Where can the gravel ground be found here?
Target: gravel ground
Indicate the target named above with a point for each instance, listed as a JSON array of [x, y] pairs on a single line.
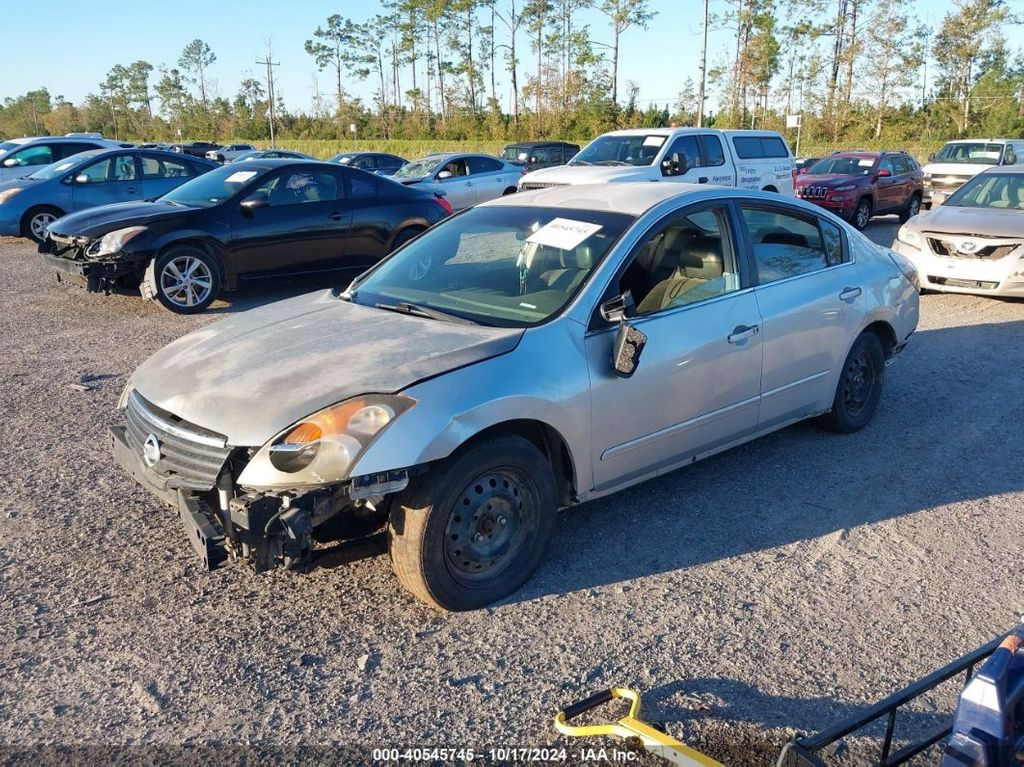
[[773, 589]]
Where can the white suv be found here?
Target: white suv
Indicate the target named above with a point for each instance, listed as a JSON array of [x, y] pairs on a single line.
[[758, 160]]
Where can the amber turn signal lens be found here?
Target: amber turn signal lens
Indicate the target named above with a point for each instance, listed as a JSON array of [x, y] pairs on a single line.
[[303, 434]]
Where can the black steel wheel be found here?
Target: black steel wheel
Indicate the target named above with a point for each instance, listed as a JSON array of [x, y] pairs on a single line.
[[474, 528], [860, 386]]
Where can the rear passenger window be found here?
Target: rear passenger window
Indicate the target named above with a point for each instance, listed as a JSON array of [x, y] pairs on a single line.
[[362, 185], [786, 245], [713, 152], [834, 253], [758, 147], [158, 167], [773, 146], [483, 165]]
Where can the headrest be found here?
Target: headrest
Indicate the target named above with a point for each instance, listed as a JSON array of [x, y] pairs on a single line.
[[779, 237], [702, 258]]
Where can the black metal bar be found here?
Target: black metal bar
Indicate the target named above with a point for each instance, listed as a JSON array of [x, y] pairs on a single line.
[[889, 727], [908, 752], [933, 680]]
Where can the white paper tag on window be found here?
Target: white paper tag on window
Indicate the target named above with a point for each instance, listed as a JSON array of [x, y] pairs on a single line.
[[563, 233], [240, 177], [865, 163], [64, 166], [654, 141]]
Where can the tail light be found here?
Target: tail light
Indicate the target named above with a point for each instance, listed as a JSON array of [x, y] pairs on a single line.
[[447, 206]]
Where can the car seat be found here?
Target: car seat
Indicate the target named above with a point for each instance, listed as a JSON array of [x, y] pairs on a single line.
[[700, 260]]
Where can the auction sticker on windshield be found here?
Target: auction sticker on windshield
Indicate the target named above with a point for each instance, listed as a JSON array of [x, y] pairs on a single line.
[[654, 141], [563, 233], [240, 177], [865, 163]]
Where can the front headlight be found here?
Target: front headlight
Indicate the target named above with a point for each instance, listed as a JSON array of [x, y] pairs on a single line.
[[910, 237], [7, 194], [322, 448], [846, 188], [112, 242]]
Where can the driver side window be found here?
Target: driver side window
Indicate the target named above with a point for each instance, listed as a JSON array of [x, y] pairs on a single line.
[[686, 146], [687, 259]]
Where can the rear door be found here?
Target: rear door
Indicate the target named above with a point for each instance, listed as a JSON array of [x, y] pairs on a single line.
[[489, 176], [162, 174], [811, 302], [303, 229], [115, 178], [697, 384]]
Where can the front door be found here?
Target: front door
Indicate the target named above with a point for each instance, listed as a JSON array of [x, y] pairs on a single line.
[[115, 178], [302, 229], [697, 384], [811, 299], [705, 160], [458, 185]]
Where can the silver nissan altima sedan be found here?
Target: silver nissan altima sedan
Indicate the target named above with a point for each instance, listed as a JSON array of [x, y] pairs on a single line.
[[530, 354]]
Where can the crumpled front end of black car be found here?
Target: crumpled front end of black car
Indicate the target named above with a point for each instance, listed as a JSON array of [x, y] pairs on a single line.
[[74, 259]]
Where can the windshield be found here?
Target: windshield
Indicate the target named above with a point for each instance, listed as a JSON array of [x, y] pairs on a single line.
[[62, 166], [990, 190], [501, 265], [843, 166], [344, 159], [211, 188], [418, 168], [975, 153], [620, 150], [517, 154]]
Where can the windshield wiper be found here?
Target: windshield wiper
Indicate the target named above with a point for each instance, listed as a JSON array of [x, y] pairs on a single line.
[[404, 307], [611, 162], [580, 162]]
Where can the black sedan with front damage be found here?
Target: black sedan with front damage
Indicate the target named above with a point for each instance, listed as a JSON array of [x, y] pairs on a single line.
[[271, 220]]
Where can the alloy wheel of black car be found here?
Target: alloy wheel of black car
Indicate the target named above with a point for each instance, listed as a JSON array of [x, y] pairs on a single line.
[[473, 529], [184, 279], [862, 214]]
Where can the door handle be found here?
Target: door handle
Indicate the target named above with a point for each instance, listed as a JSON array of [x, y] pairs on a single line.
[[849, 294], [335, 216], [702, 180], [131, 190], [742, 333], [469, 183]]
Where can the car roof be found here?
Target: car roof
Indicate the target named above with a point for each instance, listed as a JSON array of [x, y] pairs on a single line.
[[1015, 170], [632, 198], [542, 143]]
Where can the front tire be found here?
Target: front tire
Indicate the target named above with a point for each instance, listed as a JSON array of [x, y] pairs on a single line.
[[860, 386], [474, 528], [184, 279], [862, 213], [35, 222], [507, 192]]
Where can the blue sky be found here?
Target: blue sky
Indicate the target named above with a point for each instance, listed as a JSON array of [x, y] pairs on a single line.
[[90, 37]]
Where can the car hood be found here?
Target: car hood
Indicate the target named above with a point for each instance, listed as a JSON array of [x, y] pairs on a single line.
[[253, 375], [977, 222], [964, 169], [590, 174], [93, 222], [407, 181], [827, 179], [20, 183]]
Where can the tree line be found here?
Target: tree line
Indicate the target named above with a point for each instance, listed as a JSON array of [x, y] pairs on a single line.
[[857, 70]]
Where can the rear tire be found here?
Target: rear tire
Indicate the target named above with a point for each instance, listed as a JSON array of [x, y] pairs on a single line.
[[860, 386], [474, 528], [405, 236], [912, 209], [35, 221], [183, 279]]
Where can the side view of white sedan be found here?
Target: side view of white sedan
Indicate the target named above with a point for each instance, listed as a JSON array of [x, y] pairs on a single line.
[[532, 353]]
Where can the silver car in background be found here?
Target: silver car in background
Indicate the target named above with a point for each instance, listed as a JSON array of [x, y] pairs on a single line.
[[229, 152], [532, 353], [974, 241], [464, 180]]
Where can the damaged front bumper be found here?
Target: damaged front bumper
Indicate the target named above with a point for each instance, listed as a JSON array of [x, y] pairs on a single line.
[[67, 257], [224, 522]]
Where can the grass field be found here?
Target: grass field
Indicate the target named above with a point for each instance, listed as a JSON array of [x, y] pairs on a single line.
[[412, 149]]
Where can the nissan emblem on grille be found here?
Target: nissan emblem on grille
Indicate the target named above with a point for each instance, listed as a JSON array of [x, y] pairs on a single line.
[[151, 450], [967, 246]]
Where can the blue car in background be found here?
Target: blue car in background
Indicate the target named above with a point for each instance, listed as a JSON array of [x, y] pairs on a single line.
[[30, 204]]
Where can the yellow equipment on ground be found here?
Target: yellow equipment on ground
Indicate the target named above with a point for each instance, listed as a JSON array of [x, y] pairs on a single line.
[[630, 726]]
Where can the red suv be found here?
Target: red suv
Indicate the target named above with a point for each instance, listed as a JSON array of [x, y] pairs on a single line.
[[859, 185]]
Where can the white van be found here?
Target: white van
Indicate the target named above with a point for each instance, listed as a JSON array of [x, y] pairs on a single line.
[[960, 160], [742, 158]]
